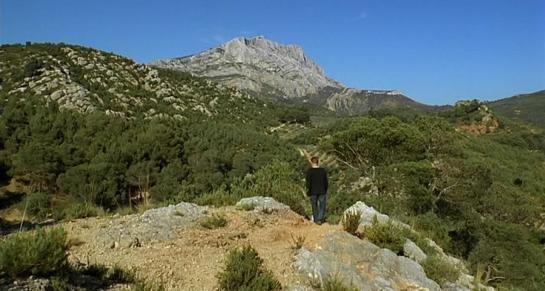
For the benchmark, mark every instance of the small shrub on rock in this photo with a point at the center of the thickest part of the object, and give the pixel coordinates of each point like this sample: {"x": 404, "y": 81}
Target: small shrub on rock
{"x": 334, "y": 283}
{"x": 41, "y": 253}
{"x": 440, "y": 270}
{"x": 351, "y": 222}
{"x": 213, "y": 221}
{"x": 246, "y": 207}
{"x": 385, "y": 235}
{"x": 244, "y": 271}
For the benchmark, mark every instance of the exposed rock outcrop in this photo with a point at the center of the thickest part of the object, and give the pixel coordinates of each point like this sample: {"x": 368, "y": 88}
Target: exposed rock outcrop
{"x": 256, "y": 64}
{"x": 482, "y": 119}
{"x": 412, "y": 251}
{"x": 155, "y": 224}
{"x": 362, "y": 264}
{"x": 273, "y": 71}
{"x": 87, "y": 80}
{"x": 261, "y": 203}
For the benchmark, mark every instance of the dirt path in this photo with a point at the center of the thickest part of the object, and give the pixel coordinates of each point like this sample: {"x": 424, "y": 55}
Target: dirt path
{"x": 192, "y": 260}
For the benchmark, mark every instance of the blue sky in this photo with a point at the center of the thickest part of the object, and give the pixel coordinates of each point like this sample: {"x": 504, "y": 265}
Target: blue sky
{"x": 435, "y": 51}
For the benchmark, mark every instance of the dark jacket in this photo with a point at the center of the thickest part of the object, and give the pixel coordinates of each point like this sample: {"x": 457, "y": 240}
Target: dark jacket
{"x": 316, "y": 181}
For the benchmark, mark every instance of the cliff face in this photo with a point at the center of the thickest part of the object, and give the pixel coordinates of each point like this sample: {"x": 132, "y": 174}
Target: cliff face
{"x": 281, "y": 72}
{"x": 257, "y": 65}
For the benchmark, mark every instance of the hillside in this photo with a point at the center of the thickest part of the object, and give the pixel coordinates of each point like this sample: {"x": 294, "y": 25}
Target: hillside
{"x": 88, "y": 80}
{"x": 81, "y": 145}
{"x": 528, "y": 108}
{"x": 272, "y": 71}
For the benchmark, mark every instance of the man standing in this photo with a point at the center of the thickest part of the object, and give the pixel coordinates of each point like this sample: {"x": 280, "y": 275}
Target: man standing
{"x": 317, "y": 189}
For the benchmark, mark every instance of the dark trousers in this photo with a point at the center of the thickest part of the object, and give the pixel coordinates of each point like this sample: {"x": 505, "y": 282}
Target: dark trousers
{"x": 318, "y": 207}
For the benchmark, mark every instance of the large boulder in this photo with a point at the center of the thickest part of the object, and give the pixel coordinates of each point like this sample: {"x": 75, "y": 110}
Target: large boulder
{"x": 411, "y": 250}
{"x": 369, "y": 214}
{"x": 153, "y": 225}
{"x": 361, "y": 264}
{"x": 260, "y": 203}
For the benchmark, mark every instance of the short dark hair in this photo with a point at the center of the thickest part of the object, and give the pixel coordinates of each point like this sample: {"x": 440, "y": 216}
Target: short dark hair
{"x": 315, "y": 160}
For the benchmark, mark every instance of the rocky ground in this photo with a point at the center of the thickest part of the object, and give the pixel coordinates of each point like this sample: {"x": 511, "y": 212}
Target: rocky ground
{"x": 172, "y": 247}
{"x": 186, "y": 256}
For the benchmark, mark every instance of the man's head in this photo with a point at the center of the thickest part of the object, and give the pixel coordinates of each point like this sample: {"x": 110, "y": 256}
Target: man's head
{"x": 314, "y": 161}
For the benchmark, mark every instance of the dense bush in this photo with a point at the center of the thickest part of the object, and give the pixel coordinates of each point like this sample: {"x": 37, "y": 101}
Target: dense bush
{"x": 279, "y": 180}
{"x": 386, "y": 235}
{"x": 40, "y": 253}
{"x": 440, "y": 270}
{"x": 376, "y": 142}
{"x": 294, "y": 115}
{"x": 38, "y": 204}
{"x": 104, "y": 160}
{"x": 75, "y": 210}
{"x": 244, "y": 271}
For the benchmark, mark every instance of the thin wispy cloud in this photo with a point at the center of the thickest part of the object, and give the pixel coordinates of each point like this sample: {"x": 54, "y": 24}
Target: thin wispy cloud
{"x": 361, "y": 16}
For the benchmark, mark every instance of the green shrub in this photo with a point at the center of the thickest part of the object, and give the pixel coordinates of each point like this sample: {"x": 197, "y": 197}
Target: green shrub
{"x": 219, "y": 197}
{"x": 32, "y": 68}
{"x": 440, "y": 270}
{"x": 244, "y": 271}
{"x": 81, "y": 210}
{"x": 292, "y": 197}
{"x": 334, "y": 283}
{"x": 278, "y": 180}
{"x": 246, "y": 207}
{"x": 38, "y": 204}
{"x": 431, "y": 226}
{"x": 41, "y": 253}
{"x": 351, "y": 222}
{"x": 59, "y": 283}
{"x": 213, "y": 221}
{"x": 385, "y": 235}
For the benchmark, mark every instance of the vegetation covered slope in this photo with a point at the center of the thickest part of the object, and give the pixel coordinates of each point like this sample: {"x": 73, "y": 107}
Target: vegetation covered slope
{"x": 88, "y": 80}
{"x": 525, "y": 107}
{"x": 77, "y": 147}
{"x": 67, "y": 128}
{"x": 479, "y": 196}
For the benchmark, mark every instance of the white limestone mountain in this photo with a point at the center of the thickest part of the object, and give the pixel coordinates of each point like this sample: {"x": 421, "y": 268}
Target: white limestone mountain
{"x": 273, "y": 71}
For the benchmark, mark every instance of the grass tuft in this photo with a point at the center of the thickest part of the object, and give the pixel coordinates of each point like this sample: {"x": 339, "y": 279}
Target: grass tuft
{"x": 297, "y": 242}
{"x": 351, "y": 222}
{"x": 334, "y": 283}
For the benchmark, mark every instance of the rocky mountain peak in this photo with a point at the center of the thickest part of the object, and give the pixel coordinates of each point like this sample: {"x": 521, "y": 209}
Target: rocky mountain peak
{"x": 256, "y": 64}
{"x": 259, "y": 46}
{"x": 277, "y": 72}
